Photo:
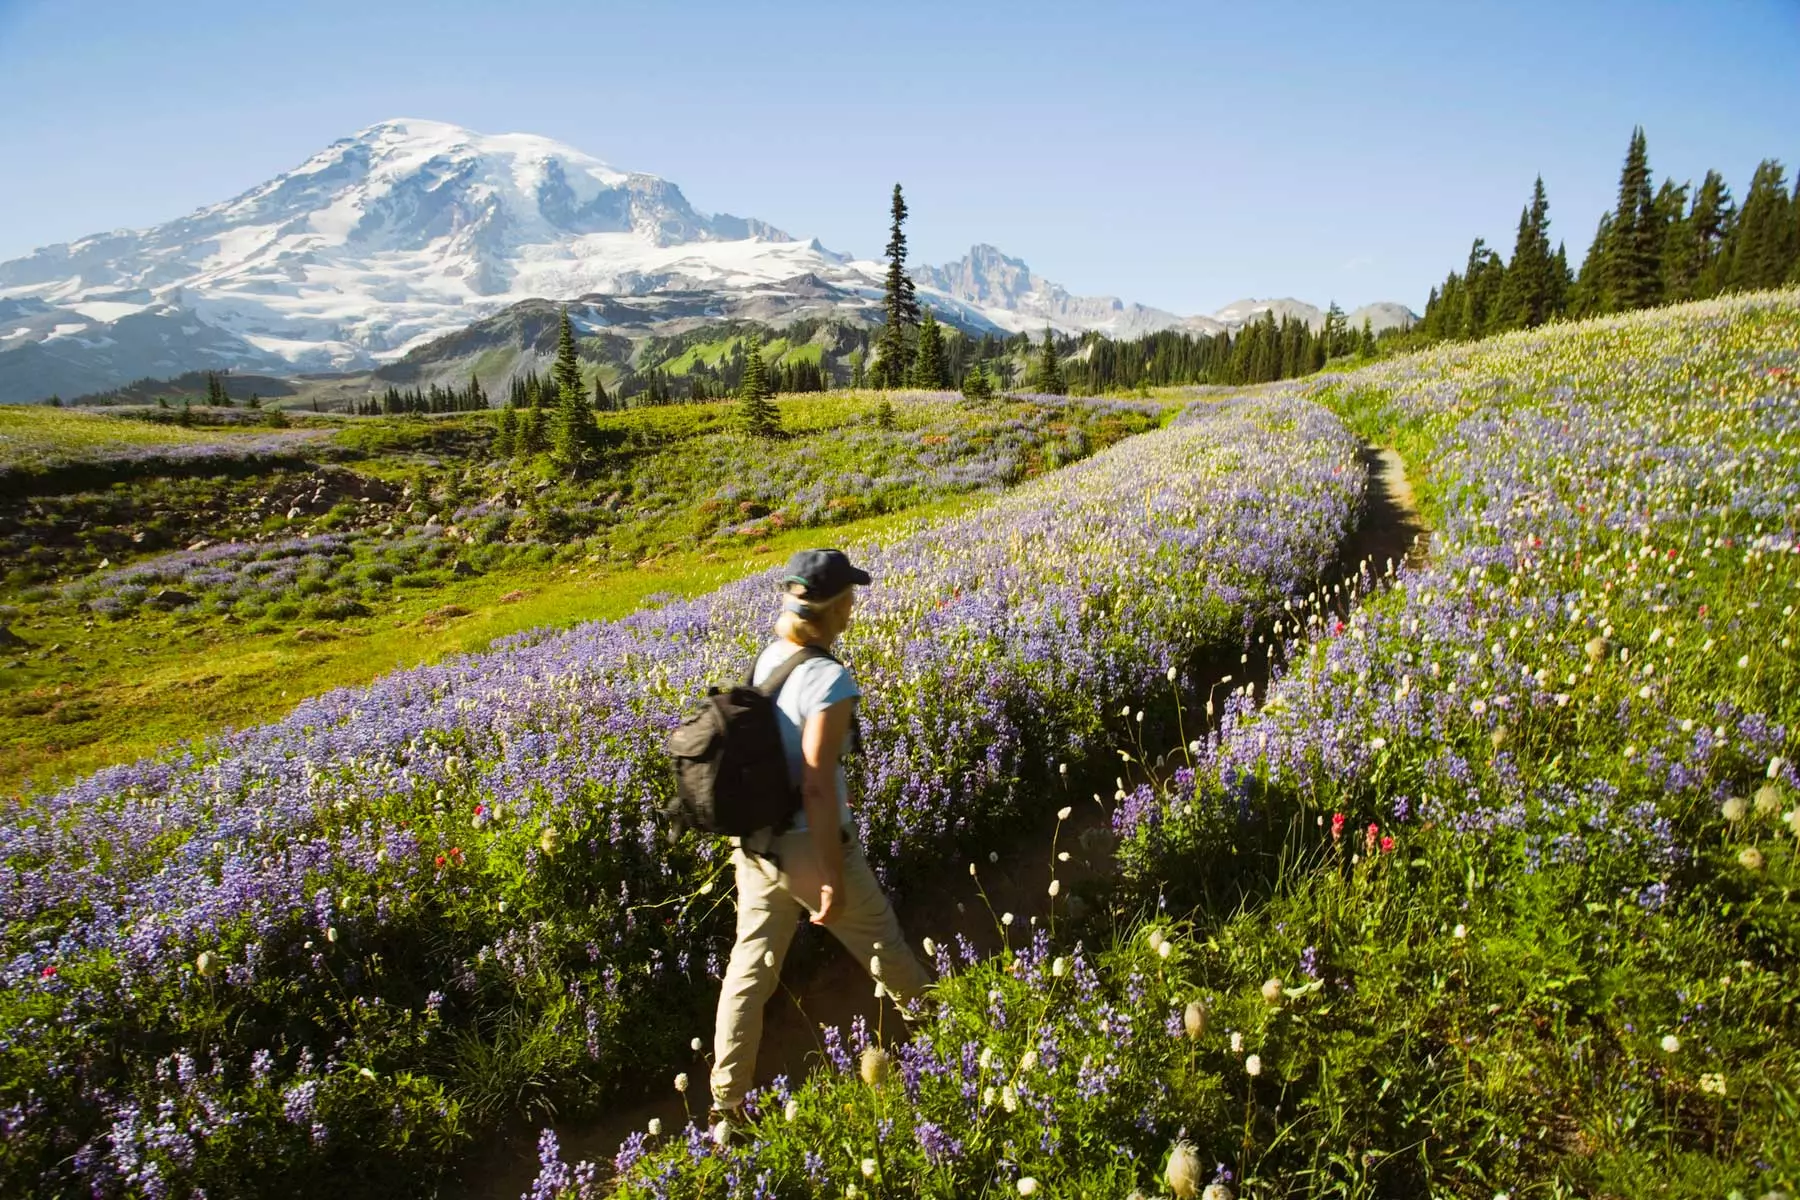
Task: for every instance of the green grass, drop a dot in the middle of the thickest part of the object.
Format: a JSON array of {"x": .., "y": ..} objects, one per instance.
[
  {"x": 33, "y": 433},
  {"x": 112, "y": 693},
  {"x": 679, "y": 502}
]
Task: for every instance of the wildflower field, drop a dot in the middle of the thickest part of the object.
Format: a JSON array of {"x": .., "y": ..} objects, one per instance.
[
  {"x": 164, "y": 592},
  {"x": 334, "y": 949},
  {"x": 1491, "y": 894}
]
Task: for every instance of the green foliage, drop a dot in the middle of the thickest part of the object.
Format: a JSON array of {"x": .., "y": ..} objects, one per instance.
[
  {"x": 930, "y": 371},
  {"x": 893, "y": 349},
  {"x": 1423, "y": 942},
  {"x": 976, "y": 384},
  {"x": 572, "y": 427},
  {"x": 506, "y": 432},
  {"x": 756, "y": 408},
  {"x": 1664, "y": 245},
  {"x": 1048, "y": 377}
]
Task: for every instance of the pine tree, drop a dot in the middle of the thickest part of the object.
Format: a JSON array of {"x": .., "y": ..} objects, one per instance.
[
  {"x": 604, "y": 402},
  {"x": 977, "y": 385},
  {"x": 531, "y": 431},
  {"x": 929, "y": 369},
  {"x": 1365, "y": 343},
  {"x": 1526, "y": 288},
  {"x": 893, "y": 350},
  {"x": 1711, "y": 221},
  {"x": 506, "y": 433},
  {"x": 884, "y": 414},
  {"x": 857, "y": 378},
  {"x": 1334, "y": 336},
  {"x": 1049, "y": 368},
  {"x": 1588, "y": 295},
  {"x": 756, "y": 412},
  {"x": 1761, "y": 252},
  {"x": 572, "y": 430},
  {"x": 1631, "y": 255}
]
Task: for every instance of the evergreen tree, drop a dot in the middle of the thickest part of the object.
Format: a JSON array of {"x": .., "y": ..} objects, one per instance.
[
  {"x": 1631, "y": 277},
  {"x": 893, "y": 350},
  {"x": 531, "y": 432},
  {"x": 884, "y": 414},
  {"x": 1049, "y": 368},
  {"x": 1335, "y": 335},
  {"x": 1527, "y": 287},
  {"x": 929, "y": 369},
  {"x": 756, "y": 412},
  {"x": 1761, "y": 250},
  {"x": 1588, "y": 295},
  {"x": 506, "y": 433},
  {"x": 572, "y": 431},
  {"x": 976, "y": 385},
  {"x": 1710, "y": 222},
  {"x": 604, "y": 402},
  {"x": 1365, "y": 343},
  {"x": 857, "y": 379},
  {"x": 1674, "y": 243}
]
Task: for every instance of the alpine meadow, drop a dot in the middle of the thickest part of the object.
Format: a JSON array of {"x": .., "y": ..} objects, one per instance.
[{"x": 1309, "y": 750}]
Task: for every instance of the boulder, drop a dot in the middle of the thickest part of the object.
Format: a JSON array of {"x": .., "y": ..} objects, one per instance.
[
  {"x": 10, "y": 640},
  {"x": 462, "y": 570},
  {"x": 171, "y": 598}
]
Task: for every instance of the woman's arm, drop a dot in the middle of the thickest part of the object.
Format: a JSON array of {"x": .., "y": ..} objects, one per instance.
[{"x": 821, "y": 743}]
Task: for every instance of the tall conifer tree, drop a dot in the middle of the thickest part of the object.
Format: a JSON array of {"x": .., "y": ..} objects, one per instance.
[
  {"x": 1049, "y": 367},
  {"x": 572, "y": 431},
  {"x": 1527, "y": 287},
  {"x": 894, "y": 347},
  {"x": 929, "y": 368},
  {"x": 1761, "y": 250},
  {"x": 1631, "y": 255},
  {"x": 756, "y": 411}
]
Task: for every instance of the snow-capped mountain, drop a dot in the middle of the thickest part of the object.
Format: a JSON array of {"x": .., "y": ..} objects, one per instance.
[{"x": 412, "y": 230}]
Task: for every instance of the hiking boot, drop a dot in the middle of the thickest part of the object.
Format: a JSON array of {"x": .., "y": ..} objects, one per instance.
[{"x": 724, "y": 1123}]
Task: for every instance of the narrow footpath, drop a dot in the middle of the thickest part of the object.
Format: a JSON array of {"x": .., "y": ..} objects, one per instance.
[{"x": 822, "y": 986}]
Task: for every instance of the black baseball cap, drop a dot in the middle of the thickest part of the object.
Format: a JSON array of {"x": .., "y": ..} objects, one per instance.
[{"x": 823, "y": 573}]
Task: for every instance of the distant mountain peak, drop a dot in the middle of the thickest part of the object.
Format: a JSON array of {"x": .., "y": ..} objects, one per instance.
[{"x": 412, "y": 229}]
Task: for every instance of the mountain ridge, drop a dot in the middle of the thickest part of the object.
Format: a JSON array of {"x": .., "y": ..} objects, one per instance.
[{"x": 411, "y": 229}]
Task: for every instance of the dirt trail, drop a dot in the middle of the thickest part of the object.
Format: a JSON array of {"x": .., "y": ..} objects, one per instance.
[{"x": 821, "y": 984}]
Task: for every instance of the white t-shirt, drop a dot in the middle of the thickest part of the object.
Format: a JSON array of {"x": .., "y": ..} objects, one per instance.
[{"x": 812, "y": 688}]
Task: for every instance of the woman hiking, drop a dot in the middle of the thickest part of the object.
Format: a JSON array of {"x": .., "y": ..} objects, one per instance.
[{"x": 815, "y": 866}]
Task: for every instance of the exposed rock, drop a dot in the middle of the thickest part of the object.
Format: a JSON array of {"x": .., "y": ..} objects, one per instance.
[
  {"x": 171, "y": 598},
  {"x": 513, "y": 597},
  {"x": 202, "y": 544},
  {"x": 314, "y": 635},
  {"x": 10, "y": 640},
  {"x": 462, "y": 570}
]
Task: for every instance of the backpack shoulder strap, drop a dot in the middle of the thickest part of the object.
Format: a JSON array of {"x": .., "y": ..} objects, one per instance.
[{"x": 771, "y": 687}]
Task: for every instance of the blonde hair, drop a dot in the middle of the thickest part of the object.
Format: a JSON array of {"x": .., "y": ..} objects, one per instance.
[{"x": 818, "y": 622}]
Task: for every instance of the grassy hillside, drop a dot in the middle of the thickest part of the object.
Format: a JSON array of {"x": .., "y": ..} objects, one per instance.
[
  {"x": 221, "y": 589},
  {"x": 403, "y": 913},
  {"x": 1492, "y": 893}
]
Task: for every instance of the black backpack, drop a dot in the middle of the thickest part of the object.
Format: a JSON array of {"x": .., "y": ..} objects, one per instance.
[{"x": 731, "y": 771}]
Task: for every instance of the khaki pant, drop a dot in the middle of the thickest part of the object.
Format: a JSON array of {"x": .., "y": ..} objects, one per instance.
[{"x": 770, "y": 901}]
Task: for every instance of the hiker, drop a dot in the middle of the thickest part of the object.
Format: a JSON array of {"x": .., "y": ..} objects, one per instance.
[{"x": 815, "y": 866}]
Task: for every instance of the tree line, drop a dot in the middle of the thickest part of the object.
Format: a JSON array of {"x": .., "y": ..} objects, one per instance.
[
  {"x": 1656, "y": 245},
  {"x": 435, "y": 399}
]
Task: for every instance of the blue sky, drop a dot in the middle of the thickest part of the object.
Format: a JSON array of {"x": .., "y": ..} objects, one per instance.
[{"x": 1179, "y": 154}]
